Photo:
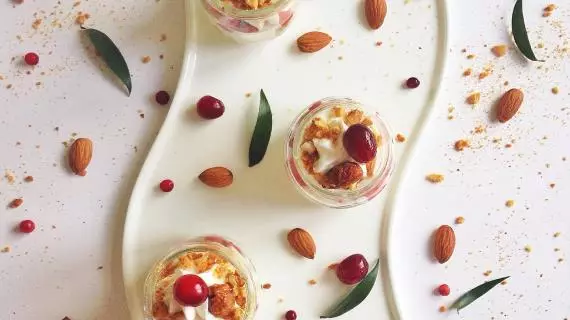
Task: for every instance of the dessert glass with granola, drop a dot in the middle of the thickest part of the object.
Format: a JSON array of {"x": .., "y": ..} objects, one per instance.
[
  {"x": 250, "y": 20},
  {"x": 339, "y": 153},
  {"x": 204, "y": 279}
]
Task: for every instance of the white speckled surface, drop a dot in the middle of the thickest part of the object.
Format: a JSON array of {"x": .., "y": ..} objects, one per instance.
[{"x": 54, "y": 272}]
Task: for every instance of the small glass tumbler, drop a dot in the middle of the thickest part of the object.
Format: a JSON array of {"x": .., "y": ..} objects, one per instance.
[
  {"x": 338, "y": 198},
  {"x": 220, "y": 246},
  {"x": 250, "y": 25}
]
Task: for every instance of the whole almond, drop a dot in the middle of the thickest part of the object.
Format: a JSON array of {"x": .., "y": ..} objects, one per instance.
[
  {"x": 509, "y": 104},
  {"x": 313, "y": 41},
  {"x": 375, "y": 11},
  {"x": 444, "y": 243},
  {"x": 302, "y": 242},
  {"x": 345, "y": 174},
  {"x": 79, "y": 155},
  {"x": 217, "y": 177}
]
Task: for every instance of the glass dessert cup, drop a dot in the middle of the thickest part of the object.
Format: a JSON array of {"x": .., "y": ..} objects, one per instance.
[
  {"x": 246, "y": 24},
  {"x": 218, "y": 258},
  {"x": 378, "y": 171}
]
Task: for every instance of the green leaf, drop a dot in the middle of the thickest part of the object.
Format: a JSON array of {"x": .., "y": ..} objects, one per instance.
[
  {"x": 111, "y": 55},
  {"x": 261, "y": 133},
  {"x": 475, "y": 293},
  {"x": 520, "y": 34},
  {"x": 355, "y": 296}
]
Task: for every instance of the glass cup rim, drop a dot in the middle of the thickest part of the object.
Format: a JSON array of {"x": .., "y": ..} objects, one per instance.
[
  {"x": 248, "y": 14},
  {"x": 335, "y": 198},
  {"x": 204, "y": 243}
]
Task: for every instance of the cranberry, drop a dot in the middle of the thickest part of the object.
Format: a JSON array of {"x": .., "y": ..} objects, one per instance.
[
  {"x": 360, "y": 143},
  {"x": 190, "y": 290},
  {"x": 443, "y": 290},
  {"x": 166, "y": 185},
  {"x": 291, "y": 315},
  {"x": 162, "y": 97},
  {"x": 352, "y": 269},
  {"x": 31, "y": 58},
  {"x": 412, "y": 83},
  {"x": 27, "y": 226},
  {"x": 210, "y": 107}
]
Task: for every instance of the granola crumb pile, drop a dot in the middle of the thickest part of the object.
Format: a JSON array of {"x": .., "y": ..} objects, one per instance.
[{"x": 435, "y": 178}]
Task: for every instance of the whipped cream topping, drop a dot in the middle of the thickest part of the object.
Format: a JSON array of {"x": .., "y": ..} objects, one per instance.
[
  {"x": 190, "y": 313},
  {"x": 331, "y": 152}
]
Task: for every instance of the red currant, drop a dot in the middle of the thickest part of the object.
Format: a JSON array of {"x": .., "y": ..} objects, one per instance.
[
  {"x": 412, "y": 83},
  {"x": 291, "y": 315},
  {"x": 190, "y": 290},
  {"x": 210, "y": 107},
  {"x": 162, "y": 97},
  {"x": 352, "y": 269},
  {"x": 443, "y": 290},
  {"x": 360, "y": 143},
  {"x": 166, "y": 185},
  {"x": 27, "y": 226},
  {"x": 31, "y": 58}
]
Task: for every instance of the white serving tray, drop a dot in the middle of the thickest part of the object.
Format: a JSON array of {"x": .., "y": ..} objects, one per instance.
[{"x": 262, "y": 204}]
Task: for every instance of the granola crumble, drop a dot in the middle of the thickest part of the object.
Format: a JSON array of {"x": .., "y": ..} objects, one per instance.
[
  {"x": 473, "y": 98},
  {"x": 312, "y": 282},
  {"x": 460, "y": 145},
  {"x": 266, "y": 286},
  {"x": 499, "y": 50},
  {"x": 459, "y": 220},
  {"x": 145, "y": 59},
  {"x": 510, "y": 203},
  {"x": 555, "y": 90},
  {"x": 467, "y": 72},
  {"x": 400, "y": 138},
  {"x": 435, "y": 178}
]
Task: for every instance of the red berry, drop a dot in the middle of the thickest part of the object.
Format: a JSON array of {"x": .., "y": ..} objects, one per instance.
[
  {"x": 190, "y": 290},
  {"x": 27, "y": 226},
  {"x": 352, "y": 269},
  {"x": 162, "y": 97},
  {"x": 443, "y": 290},
  {"x": 360, "y": 143},
  {"x": 210, "y": 107},
  {"x": 166, "y": 185},
  {"x": 291, "y": 315},
  {"x": 31, "y": 58},
  {"x": 412, "y": 83}
]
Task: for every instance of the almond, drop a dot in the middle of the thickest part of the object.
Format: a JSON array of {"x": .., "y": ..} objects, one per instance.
[
  {"x": 375, "y": 11},
  {"x": 79, "y": 156},
  {"x": 345, "y": 174},
  {"x": 217, "y": 177},
  {"x": 509, "y": 104},
  {"x": 302, "y": 242},
  {"x": 313, "y": 41},
  {"x": 444, "y": 243}
]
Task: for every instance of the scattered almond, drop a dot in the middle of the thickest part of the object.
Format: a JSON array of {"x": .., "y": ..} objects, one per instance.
[
  {"x": 313, "y": 41},
  {"x": 509, "y": 104},
  {"x": 435, "y": 178},
  {"x": 375, "y": 11},
  {"x": 499, "y": 50},
  {"x": 217, "y": 177},
  {"x": 444, "y": 243},
  {"x": 473, "y": 98},
  {"x": 16, "y": 203},
  {"x": 79, "y": 155},
  {"x": 302, "y": 242}
]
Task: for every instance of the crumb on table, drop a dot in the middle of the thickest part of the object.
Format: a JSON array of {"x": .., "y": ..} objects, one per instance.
[
  {"x": 266, "y": 286},
  {"x": 435, "y": 178},
  {"x": 473, "y": 98},
  {"x": 400, "y": 138},
  {"x": 145, "y": 59},
  {"x": 510, "y": 203},
  {"x": 461, "y": 144},
  {"x": 459, "y": 220}
]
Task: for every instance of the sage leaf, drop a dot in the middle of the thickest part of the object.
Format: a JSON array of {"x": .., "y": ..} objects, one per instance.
[
  {"x": 262, "y": 132},
  {"x": 519, "y": 32},
  {"x": 475, "y": 293},
  {"x": 111, "y": 56},
  {"x": 355, "y": 296}
]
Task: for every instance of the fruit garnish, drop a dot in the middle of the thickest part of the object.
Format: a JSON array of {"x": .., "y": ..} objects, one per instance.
[
  {"x": 360, "y": 143},
  {"x": 166, "y": 185},
  {"x": 352, "y": 269},
  {"x": 31, "y": 58},
  {"x": 162, "y": 97},
  {"x": 443, "y": 290},
  {"x": 412, "y": 83},
  {"x": 291, "y": 315},
  {"x": 210, "y": 108},
  {"x": 190, "y": 290},
  {"x": 27, "y": 226}
]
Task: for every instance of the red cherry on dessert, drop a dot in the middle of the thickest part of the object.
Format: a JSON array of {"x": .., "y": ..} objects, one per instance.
[
  {"x": 190, "y": 290},
  {"x": 31, "y": 58},
  {"x": 210, "y": 107},
  {"x": 291, "y": 315},
  {"x": 27, "y": 226},
  {"x": 166, "y": 185},
  {"x": 360, "y": 143},
  {"x": 352, "y": 269}
]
